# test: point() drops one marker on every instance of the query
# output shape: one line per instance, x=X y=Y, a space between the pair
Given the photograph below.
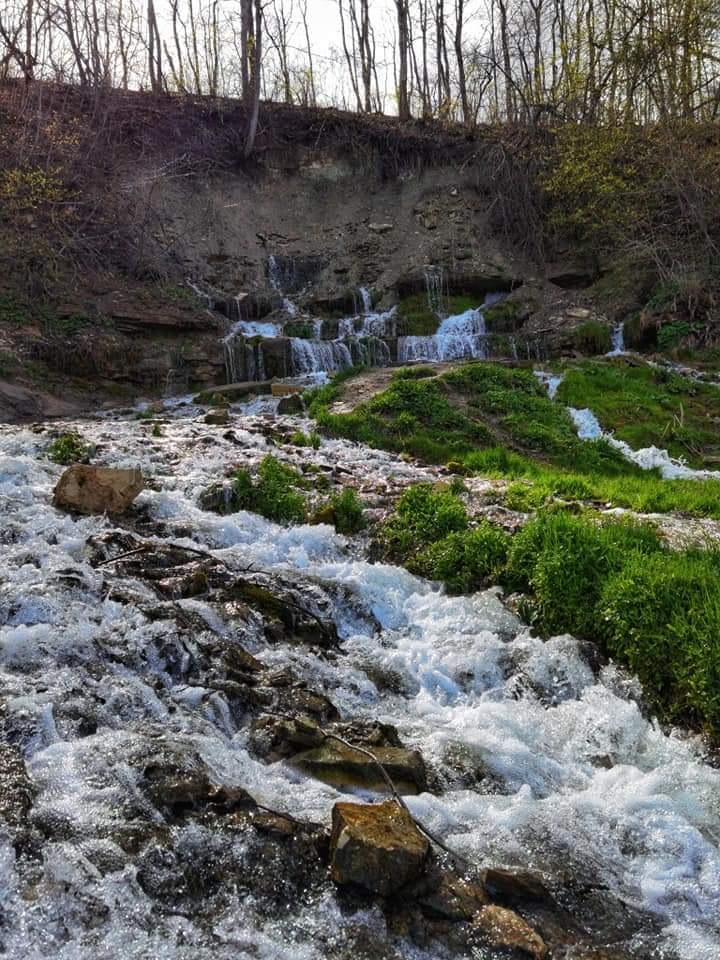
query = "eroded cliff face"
x=315 y=231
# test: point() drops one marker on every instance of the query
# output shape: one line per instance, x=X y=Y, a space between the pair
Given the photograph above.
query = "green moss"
x=415 y=318
x=592 y=337
x=507 y=316
x=299 y=328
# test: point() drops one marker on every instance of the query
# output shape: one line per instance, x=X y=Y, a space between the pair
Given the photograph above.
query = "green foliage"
x=671 y=334
x=348 y=512
x=156 y=430
x=424 y=514
x=664 y=296
x=565 y=559
x=300 y=439
x=68 y=448
x=592 y=337
x=505 y=316
x=466 y=560
x=274 y=493
x=299 y=328
x=660 y=616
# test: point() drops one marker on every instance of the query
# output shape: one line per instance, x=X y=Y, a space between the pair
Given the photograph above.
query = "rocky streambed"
x=223 y=737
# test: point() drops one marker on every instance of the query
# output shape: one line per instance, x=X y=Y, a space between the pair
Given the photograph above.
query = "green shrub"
x=273 y=495
x=68 y=448
x=660 y=616
x=348 y=512
x=466 y=560
x=592 y=337
x=423 y=515
x=671 y=334
x=300 y=439
x=564 y=559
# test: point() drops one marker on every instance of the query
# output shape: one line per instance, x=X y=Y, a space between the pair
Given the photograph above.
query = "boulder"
x=291 y=404
x=376 y=847
x=454 y=899
x=217 y=418
x=507 y=930
x=344 y=766
x=87 y=489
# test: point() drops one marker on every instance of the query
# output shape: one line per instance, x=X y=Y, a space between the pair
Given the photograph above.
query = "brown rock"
x=217 y=418
x=376 y=847
x=16 y=792
x=97 y=489
x=505 y=928
x=291 y=404
x=345 y=766
x=454 y=899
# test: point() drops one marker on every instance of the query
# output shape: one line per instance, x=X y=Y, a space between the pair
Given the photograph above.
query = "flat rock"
x=345 y=766
x=380 y=227
x=376 y=847
x=87 y=489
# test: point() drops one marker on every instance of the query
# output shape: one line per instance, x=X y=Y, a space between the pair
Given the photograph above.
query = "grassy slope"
x=487 y=419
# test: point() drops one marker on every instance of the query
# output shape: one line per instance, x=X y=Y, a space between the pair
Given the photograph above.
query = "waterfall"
x=370 y=352
x=316 y=356
x=366 y=299
x=459 y=336
x=243 y=359
x=617 y=341
x=434 y=283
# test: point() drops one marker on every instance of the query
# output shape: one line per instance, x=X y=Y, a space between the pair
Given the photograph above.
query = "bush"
x=273 y=495
x=68 y=448
x=564 y=559
x=660 y=615
x=300 y=439
x=466 y=560
x=348 y=512
x=424 y=515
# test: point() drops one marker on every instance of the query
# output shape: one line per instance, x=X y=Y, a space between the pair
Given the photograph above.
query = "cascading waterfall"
x=460 y=336
x=317 y=356
x=366 y=298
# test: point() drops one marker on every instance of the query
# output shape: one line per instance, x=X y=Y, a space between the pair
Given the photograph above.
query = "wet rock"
x=291 y=404
x=454 y=899
x=16 y=792
x=515 y=885
x=290 y=615
x=376 y=847
x=345 y=766
x=217 y=418
x=177 y=781
x=503 y=928
x=218 y=499
x=88 y=489
x=300 y=700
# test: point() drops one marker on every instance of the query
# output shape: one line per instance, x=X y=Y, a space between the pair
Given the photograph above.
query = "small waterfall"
x=618 y=341
x=316 y=356
x=366 y=300
x=460 y=336
x=289 y=307
x=434 y=288
x=370 y=352
x=243 y=358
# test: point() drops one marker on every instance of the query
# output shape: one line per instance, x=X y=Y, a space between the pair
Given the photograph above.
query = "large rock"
x=376 y=847
x=97 y=489
x=344 y=766
x=507 y=930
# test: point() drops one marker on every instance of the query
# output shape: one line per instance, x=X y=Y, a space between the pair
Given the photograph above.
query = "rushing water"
x=559 y=770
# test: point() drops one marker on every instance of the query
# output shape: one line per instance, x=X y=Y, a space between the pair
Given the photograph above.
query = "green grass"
x=348 y=512
x=645 y=406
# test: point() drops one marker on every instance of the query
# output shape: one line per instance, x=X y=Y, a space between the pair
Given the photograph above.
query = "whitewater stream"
x=541 y=758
